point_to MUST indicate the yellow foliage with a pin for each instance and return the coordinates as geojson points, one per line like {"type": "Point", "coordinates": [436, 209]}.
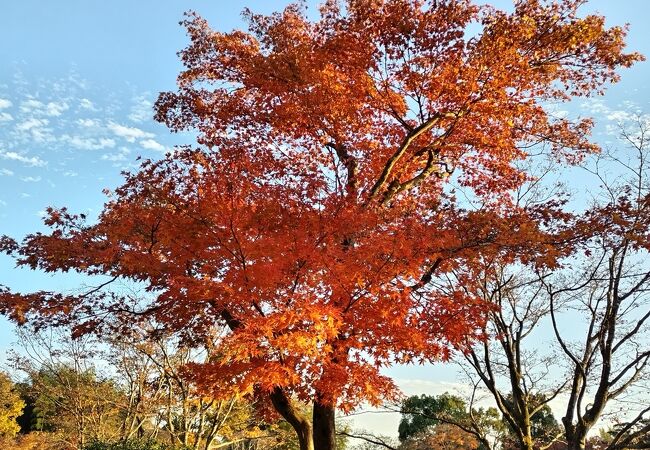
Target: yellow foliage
{"type": "Point", "coordinates": [11, 406]}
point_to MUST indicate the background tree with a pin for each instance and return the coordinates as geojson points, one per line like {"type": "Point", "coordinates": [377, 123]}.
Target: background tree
{"type": "Point", "coordinates": [11, 407]}
{"type": "Point", "coordinates": [544, 428]}
{"type": "Point", "coordinates": [421, 412]}
{"type": "Point", "coordinates": [299, 222]}
{"type": "Point", "coordinates": [68, 396]}
{"type": "Point", "coordinates": [598, 285]}
{"type": "Point", "coordinates": [633, 434]}
{"type": "Point", "coordinates": [441, 437]}
{"type": "Point", "coordinates": [509, 364]}
{"type": "Point", "coordinates": [609, 291]}
{"type": "Point", "coordinates": [140, 402]}
{"type": "Point", "coordinates": [159, 393]}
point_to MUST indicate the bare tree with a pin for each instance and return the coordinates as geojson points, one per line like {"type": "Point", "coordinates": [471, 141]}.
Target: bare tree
{"type": "Point", "coordinates": [151, 362]}
{"type": "Point", "coordinates": [75, 400]}
{"type": "Point", "coordinates": [610, 293]}
{"type": "Point", "coordinates": [591, 290]}
{"type": "Point", "coordinates": [509, 363]}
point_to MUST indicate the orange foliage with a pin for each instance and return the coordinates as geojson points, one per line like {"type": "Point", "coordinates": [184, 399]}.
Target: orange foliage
{"type": "Point", "coordinates": [313, 215]}
{"type": "Point", "coordinates": [442, 437]}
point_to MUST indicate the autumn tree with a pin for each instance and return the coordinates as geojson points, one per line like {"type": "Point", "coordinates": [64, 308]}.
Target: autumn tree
{"type": "Point", "coordinates": [11, 407]}
{"type": "Point", "coordinates": [312, 215]}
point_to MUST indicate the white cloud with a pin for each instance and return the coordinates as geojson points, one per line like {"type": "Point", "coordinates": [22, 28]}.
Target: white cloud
{"type": "Point", "coordinates": [31, 105]}
{"type": "Point", "coordinates": [141, 110]}
{"type": "Point", "coordinates": [34, 130]}
{"type": "Point", "coordinates": [619, 116]}
{"type": "Point", "coordinates": [31, 179]}
{"type": "Point", "coordinates": [6, 172]}
{"type": "Point", "coordinates": [88, 123]}
{"type": "Point", "coordinates": [42, 135]}
{"type": "Point", "coordinates": [52, 109]}
{"type": "Point", "coordinates": [121, 155]}
{"type": "Point", "coordinates": [150, 144]}
{"type": "Point", "coordinates": [34, 161]}
{"type": "Point", "coordinates": [31, 123]}
{"type": "Point", "coordinates": [56, 109]}
{"type": "Point", "coordinates": [130, 134]}
{"type": "Point", "coordinates": [4, 103]}
{"type": "Point", "coordinates": [84, 103]}
{"type": "Point", "coordinates": [88, 143]}
{"type": "Point", "coordinates": [5, 117]}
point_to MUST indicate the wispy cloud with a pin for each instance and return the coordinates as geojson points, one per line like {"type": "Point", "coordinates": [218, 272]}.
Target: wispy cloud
{"type": "Point", "coordinates": [31, 179]}
{"type": "Point", "coordinates": [33, 161]}
{"type": "Point", "coordinates": [118, 156]}
{"type": "Point", "coordinates": [85, 143]}
{"type": "Point", "coordinates": [51, 129]}
{"type": "Point", "coordinates": [141, 110]}
{"type": "Point", "coordinates": [31, 124]}
{"type": "Point", "coordinates": [55, 109]}
{"type": "Point", "coordinates": [36, 107]}
{"type": "Point", "coordinates": [150, 144]}
{"type": "Point", "coordinates": [130, 134]}
{"type": "Point", "coordinates": [31, 105]}
{"type": "Point", "coordinates": [88, 123]}
{"type": "Point", "coordinates": [84, 103]}
{"type": "Point", "coordinates": [34, 130]}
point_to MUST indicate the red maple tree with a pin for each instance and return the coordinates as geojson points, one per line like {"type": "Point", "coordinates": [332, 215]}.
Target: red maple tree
{"type": "Point", "coordinates": [313, 213]}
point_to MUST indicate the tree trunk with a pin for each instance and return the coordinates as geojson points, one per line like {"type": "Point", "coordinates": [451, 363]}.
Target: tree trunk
{"type": "Point", "coordinates": [324, 427]}
{"type": "Point", "coordinates": [577, 442]}
{"type": "Point", "coordinates": [577, 445]}
{"type": "Point", "coordinates": [576, 435]}
{"type": "Point", "coordinates": [283, 405]}
{"type": "Point", "coordinates": [527, 441]}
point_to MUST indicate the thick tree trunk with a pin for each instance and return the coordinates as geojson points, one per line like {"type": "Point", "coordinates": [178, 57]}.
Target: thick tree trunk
{"type": "Point", "coordinates": [576, 442]}
{"type": "Point", "coordinates": [576, 435]}
{"type": "Point", "coordinates": [284, 406]}
{"type": "Point", "coordinates": [324, 427]}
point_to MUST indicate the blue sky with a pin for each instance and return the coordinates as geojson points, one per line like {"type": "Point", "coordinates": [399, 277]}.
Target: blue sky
{"type": "Point", "coordinates": [77, 82]}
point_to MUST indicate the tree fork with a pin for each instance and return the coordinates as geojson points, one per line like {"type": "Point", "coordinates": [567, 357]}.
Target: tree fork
{"type": "Point", "coordinates": [284, 406]}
